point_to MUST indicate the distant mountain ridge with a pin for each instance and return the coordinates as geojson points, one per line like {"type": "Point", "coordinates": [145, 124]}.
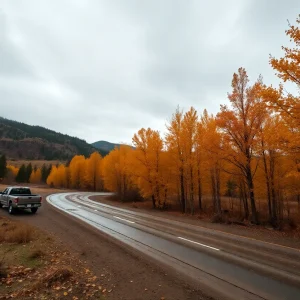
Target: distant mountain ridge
{"type": "Point", "coordinates": [21, 141]}
{"type": "Point", "coordinates": [105, 146]}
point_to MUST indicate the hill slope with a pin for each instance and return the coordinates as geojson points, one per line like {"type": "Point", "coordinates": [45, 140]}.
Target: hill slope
{"type": "Point", "coordinates": [105, 146]}
{"type": "Point", "coordinates": [22, 141]}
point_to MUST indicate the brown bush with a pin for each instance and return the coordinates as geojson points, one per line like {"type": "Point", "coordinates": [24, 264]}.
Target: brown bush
{"type": "Point", "coordinates": [19, 234]}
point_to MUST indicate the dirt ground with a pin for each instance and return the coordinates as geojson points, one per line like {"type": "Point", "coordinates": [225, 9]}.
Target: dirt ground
{"type": "Point", "coordinates": [130, 275]}
{"type": "Point", "coordinates": [34, 265]}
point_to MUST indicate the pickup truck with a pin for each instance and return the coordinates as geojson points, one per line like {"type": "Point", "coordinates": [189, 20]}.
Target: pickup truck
{"type": "Point", "coordinates": [19, 198]}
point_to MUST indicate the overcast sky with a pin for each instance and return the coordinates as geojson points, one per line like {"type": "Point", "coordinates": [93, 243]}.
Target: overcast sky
{"type": "Point", "coordinates": [101, 70]}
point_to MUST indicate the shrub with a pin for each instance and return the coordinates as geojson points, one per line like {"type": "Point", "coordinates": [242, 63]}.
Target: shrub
{"type": "Point", "coordinates": [19, 235]}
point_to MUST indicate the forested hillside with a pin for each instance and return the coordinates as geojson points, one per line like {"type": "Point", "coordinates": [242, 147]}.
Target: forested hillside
{"type": "Point", "coordinates": [22, 141]}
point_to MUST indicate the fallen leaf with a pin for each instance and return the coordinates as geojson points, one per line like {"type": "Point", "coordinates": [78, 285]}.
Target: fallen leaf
{"type": "Point", "coordinates": [65, 294]}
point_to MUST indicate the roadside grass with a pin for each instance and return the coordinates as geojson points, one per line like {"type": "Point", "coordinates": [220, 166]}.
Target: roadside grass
{"type": "Point", "coordinates": [16, 233]}
{"type": "Point", "coordinates": [33, 265]}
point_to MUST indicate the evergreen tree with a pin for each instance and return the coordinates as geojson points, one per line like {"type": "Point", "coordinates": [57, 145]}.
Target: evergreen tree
{"type": "Point", "coordinates": [3, 166]}
{"type": "Point", "coordinates": [44, 173]}
{"type": "Point", "coordinates": [67, 164]}
{"type": "Point", "coordinates": [21, 176]}
{"type": "Point", "coordinates": [49, 170]}
{"type": "Point", "coordinates": [28, 172]}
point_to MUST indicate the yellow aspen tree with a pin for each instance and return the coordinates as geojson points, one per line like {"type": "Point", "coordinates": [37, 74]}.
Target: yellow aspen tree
{"type": "Point", "coordinates": [199, 161]}
{"type": "Point", "coordinates": [175, 144]}
{"type": "Point", "coordinates": [211, 143]}
{"type": "Point", "coordinates": [148, 156]}
{"type": "Point", "coordinates": [241, 124]}
{"type": "Point", "coordinates": [36, 176]}
{"type": "Point", "coordinates": [115, 171]}
{"type": "Point", "coordinates": [77, 172]}
{"type": "Point", "coordinates": [189, 135]}
{"type": "Point", "coordinates": [13, 169]}
{"type": "Point", "coordinates": [51, 180]}
{"type": "Point", "coordinates": [93, 172]}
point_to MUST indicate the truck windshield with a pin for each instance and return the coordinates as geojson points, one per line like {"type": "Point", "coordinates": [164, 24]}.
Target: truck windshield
{"type": "Point", "coordinates": [20, 191]}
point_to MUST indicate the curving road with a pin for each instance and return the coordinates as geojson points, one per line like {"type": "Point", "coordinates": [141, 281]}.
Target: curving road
{"type": "Point", "coordinates": [222, 264]}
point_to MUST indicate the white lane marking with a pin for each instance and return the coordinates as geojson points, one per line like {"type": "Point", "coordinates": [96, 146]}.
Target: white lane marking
{"type": "Point", "coordinates": [198, 243]}
{"type": "Point", "coordinates": [124, 220]}
{"type": "Point", "coordinates": [95, 210]}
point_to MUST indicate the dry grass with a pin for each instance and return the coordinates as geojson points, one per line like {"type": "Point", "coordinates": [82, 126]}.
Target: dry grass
{"type": "Point", "coordinates": [16, 233]}
{"type": "Point", "coordinates": [43, 268]}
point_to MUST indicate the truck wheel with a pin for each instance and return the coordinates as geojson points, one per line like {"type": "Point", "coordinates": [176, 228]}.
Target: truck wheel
{"type": "Point", "coordinates": [11, 209]}
{"type": "Point", "coordinates": [34, 210]}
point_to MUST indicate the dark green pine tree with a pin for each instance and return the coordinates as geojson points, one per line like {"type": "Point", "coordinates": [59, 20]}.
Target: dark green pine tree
{"type": "Point", "coordinates": [21, 176]}
{"type": "Point", "coordinates": [49, 170]}
{"type": "Point", "coordinates": [3, 166]}
{"type": "Point", "coordinates": [44, 173]}
{"type": "Point", "coordinates": [28, 172]}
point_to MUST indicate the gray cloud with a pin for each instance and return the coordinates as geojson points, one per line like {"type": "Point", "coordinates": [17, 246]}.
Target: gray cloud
{"type": "Point", "coordinates": [104, 69]}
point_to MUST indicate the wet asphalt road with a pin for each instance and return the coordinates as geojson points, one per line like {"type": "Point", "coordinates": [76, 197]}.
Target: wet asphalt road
{"type": "Point", "coordinates": [225, 265]}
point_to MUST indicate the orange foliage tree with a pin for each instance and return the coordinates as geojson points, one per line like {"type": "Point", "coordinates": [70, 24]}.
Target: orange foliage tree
{"type": "Point", "coordinates": [148, 166]}
{"type": "Point", "coordinates": [36, 176]}
{"type": "Point", "coordinates": [241, 125]}
{"type": "Point", "coordinates": [115, 171]}
{"type": "Point", "coordinates": [93, 174]}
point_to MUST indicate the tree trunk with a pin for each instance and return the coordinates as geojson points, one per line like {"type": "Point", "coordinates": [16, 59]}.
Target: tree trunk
{"type": "Point", "coordinates": [199, 190]}
{"type": "Point", "coordinates": [153, 202]}
{"type": "Point", "coordinates": [218, 199]}
{"type": "Point", "coordinates": [192, 190]}
{"type": "Point", "coordinates": [182, 190]}
{"type": "Point", "coordinates": [213, 189]}
{"type": "Point", "coordinates": [267, 183]}
{"type": "Point", "coordinates": [273, 193]}
{"type": "Point", "coordinates": [215, 182]}
{"type": "Point", "coordinates": [298, 195]}
{"type": "Point", "coordinates": [250, 184]}
{"type": "Point", "coordinates": [245, 200]}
